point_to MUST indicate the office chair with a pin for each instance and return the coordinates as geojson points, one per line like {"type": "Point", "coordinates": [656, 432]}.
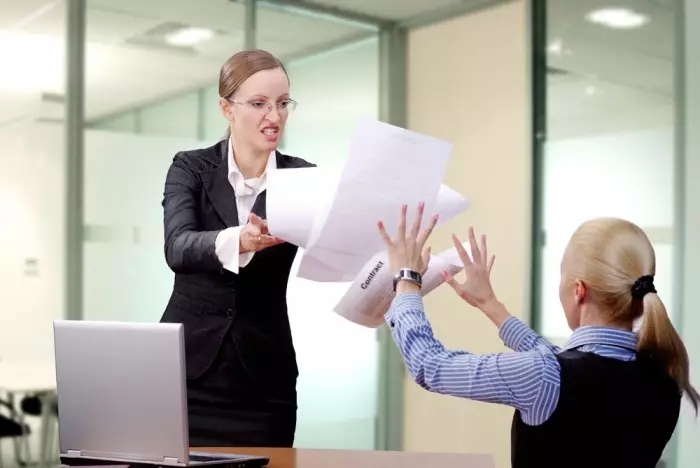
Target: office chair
{"type": "Point", "coordinates": [10, 428]}
{"type": "Point", "coordinates": [45, 406]}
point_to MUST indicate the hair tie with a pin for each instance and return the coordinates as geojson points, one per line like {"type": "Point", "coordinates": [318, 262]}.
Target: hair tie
{"type": "Point", "coordinates": [643, 286]}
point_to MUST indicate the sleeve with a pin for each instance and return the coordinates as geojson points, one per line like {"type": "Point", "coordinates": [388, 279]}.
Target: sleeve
{"type": "Point", "coordinates": [519, 337]}
{"type": "Point", "coordinates": [528, 381]}
{"type": "Point", "coordinates": [187, 248]}
{"type": "Point", "coordinates": [227, 247]}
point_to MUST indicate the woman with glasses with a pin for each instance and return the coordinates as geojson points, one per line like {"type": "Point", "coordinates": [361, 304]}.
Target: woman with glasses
{"type": "Point", "coordinates": [230, 273]}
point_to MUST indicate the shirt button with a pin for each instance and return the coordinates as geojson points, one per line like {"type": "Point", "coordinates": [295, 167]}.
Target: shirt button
{"type": "Point", "coordinates": [392, 324]}
{"type": "Point", "coordinates": [229, 313]}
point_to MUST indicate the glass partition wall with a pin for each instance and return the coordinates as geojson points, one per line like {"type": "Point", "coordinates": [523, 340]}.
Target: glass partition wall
{"type": "Point", "coordinates": [613, 84]}
{"type": "Point", "coordinates": [164, 59]}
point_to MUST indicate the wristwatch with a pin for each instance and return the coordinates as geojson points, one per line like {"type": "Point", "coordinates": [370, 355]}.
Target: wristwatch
{"type": "Point", "coordinates": [406, 274]}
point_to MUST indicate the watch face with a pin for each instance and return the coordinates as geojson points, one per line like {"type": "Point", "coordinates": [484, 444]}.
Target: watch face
{"type": "Point", "coordinates": [409, 275]}
{"type": "Point", "coordinates": [414, 275]}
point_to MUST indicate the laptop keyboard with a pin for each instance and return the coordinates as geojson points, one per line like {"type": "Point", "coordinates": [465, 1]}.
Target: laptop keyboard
{"type": "Point", "coordinates": [206, 458]}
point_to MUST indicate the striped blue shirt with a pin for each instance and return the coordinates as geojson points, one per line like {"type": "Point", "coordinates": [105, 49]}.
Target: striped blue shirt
{"type": "Point", "coordinates": [527, 379]}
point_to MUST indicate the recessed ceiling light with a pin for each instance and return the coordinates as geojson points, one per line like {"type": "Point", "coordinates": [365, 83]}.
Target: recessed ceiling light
{"type": "Point", "coordinates": [188, 36]}
{"type": "Point", "coordinates": [617, 18]}
{"type": "Point", "coordinates": [591, 90]}
{"type": "Point", "coordinates": [555, 47]}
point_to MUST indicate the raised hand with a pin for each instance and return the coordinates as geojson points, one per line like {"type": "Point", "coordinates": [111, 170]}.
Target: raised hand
{"type": "Point", "coordinates": [407, 249]}
{"type": "Point", "coordinates": [255, 236]}
{"type": "Point", "coordinates": [476, 289]}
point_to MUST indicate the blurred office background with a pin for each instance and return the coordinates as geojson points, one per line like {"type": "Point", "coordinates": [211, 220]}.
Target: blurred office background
{"type": "Point", "coordinates": [559, 111]}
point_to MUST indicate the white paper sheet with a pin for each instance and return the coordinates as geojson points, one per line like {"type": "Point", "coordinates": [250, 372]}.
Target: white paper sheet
{"type": "Point", "coordinates": [369, 296]}
{"type": "Point", "coordinates": [387, 166]}
{"type": "Point", "coordinates": [296, 196]}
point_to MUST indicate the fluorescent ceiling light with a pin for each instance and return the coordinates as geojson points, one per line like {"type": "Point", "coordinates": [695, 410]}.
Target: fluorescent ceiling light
{"type": "Point", "coordinates": [188, 36]}
{"type": "Point", "coordinates": [617, 18]}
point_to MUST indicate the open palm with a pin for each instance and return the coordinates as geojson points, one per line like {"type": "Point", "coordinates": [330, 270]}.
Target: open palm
{"type": "Point", "coordinates": [476, 288]}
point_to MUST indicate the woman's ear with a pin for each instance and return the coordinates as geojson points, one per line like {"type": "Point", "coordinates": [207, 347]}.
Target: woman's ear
{"type": "Point", "coordinates": [225, 107]}
{"type": "Point", "coordinates": [580, 292]}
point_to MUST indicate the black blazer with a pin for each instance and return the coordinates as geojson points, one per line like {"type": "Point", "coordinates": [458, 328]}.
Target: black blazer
{"type": "Point", "coordinates": [210, 301]}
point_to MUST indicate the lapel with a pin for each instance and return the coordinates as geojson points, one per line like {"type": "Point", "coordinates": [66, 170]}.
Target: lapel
{"type": "Point", "coordinates": [219, 189]}
{"type": "Point", "coordinates": [222, 195]}
{"type": "Point", "coordinates": [260, 206]}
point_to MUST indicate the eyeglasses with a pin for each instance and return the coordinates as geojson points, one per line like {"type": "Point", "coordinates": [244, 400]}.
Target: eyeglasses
{"type": "Point", "coordinates": [265, 107]}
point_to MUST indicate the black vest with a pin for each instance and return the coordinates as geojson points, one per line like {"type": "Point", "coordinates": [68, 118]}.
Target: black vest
{"type": "Point", "coordinates": [610, 413]}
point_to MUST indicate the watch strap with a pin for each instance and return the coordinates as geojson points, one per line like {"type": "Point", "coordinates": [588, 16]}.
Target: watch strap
{"type": "Point", "coordinates": [407, 274]}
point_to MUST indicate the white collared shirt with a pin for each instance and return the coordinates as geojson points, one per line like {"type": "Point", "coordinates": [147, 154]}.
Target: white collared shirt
{"type": "Point", "coordinates": [247, 190]}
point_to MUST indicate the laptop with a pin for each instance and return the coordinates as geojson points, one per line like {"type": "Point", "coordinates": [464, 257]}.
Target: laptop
{"type": "Point", "coordinates": [122, 398]}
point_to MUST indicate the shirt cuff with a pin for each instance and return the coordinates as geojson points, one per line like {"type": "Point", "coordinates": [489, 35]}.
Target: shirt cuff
{"type": "Point", "coordinates": [401, 304]}
{"type": "Point", "coordinates": [513, 332]}
{"type": "Point", "coordinates": [227, 249]}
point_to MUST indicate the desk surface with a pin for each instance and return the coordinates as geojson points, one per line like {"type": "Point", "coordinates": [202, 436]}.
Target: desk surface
{"type": "Point", "coordinates": [311, 458]}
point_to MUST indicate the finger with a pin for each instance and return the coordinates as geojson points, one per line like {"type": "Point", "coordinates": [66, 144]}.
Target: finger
{"type": "Point", "coordinates": [493, 259]}
{"type": "Point", "coordinates": [416, 222]}
{"type": "Point", "coordinates": [425, 234]}
{"type": "Point", "coordinates": [274, 240]}
{"type": "Point", "coordinates": [401, 229]}
{"type": "Point", "coordinates": [484, 251]}
{"type": "Point", "coordinates": [255, 220]}
{"type": "Point", "coordinates": [461, 251]}
{"type": "Point", "coordinates": [449, 279]}
{"type": "Point", "coordinates": [476, 254]}
{"type": "Point", "coordinates": [383, 234]}
{"type": "Point", "coordinates": [425, 257]}
{"type": "Point", "coordinates": [266, 241]}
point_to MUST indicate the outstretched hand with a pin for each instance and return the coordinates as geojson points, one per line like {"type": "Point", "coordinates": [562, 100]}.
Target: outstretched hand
{"type": "Point", "coordinates": [476, 288]}
{"type": "Point", "coordinates": [255, 236]}
{"type": "Point", "coordinates": [407, 249]}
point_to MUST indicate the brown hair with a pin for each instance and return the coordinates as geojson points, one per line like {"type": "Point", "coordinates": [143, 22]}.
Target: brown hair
{"type": "Point", "coordinates": [241, 66]}
{"type": "Point", "coordinates": [609, 255]}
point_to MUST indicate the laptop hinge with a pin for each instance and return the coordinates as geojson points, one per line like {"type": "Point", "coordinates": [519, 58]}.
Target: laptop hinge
{"type": "Point", "coordinates": [170, 461]}
{"type": "Point", "coordinates": [74, 453]}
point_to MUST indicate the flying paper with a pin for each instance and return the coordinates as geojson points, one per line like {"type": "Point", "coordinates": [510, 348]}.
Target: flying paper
{"type": "Point", "coordinates": [333, 215]}
{"type": "Point", "coordinates": [369, 296]}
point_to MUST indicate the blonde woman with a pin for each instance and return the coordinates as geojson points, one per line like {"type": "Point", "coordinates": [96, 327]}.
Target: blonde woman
{"type": "Point", "coordinates": [610, 398]}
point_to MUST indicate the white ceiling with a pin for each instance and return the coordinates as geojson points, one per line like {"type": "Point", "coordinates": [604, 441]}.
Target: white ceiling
{"type": "Point", "coordinates": [627, 69]}
{"type": "Point", "coordinates": [121, 71]}
{"type": "Point", "coordinates": [612, 79]}
{"type": "Point", "coordinates": [390, 9]}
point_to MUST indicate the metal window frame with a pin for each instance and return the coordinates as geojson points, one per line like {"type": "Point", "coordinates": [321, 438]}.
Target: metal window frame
{"type": "Point", "coordinates": [538, 24]}
{"type": "Point", "coordinates": [392, 59]}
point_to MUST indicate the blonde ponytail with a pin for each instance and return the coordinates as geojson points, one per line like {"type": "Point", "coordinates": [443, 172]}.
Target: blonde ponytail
{"type": "Point", "coordinates": [659, 340]}
{"type": "Point", "coordinates": [616, 261]}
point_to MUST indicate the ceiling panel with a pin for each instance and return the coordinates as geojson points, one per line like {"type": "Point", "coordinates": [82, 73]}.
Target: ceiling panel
{"type": "Point", "coordinates": [656, 38]}
{"type": "Point", "coordinates": [287, 34]}
{"type": "Point", "coordinates": [641, 58]}
{"type": "Point", "coordinates": [579, 106]}
{"type": "Point", "coordinates": [14, 14]}
{"type": "Point", "coordinates": [217, 14]}
{"type": "Point", "coordinates": [389, 9]}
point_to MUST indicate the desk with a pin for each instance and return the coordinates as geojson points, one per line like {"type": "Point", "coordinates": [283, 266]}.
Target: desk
{"type": "Point", "coordinates": [312, 458]}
